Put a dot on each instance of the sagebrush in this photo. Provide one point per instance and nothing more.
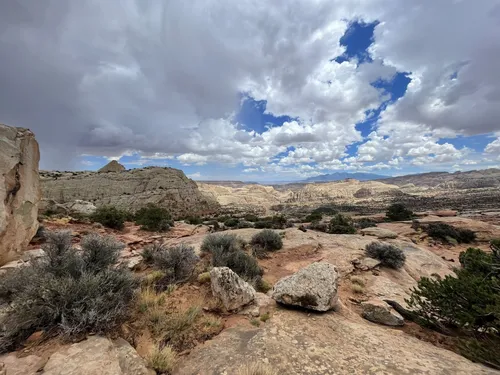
(389, 255)
(68, 292)
(266, 240)
(341, 224)
(110, 217)
(398, 212)
(176, 262)
(447, 233)
(154, 218)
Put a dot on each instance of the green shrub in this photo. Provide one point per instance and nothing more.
(262, 224)
(252, 218)
(110, 217)
(177, 262)
(469, 300)
(365, 223)
(495, 244)
(228, 243)
(194, 220)
(398, 212)
(238, 261)
(231, 223)
(389, 255)
(315, 216)
(325, 210)
(163, 361)
(267, 239)
(445, 232)
(69, 292)
(150, 250)
(245, 224)
(319, 226)
(341, 224)
(154, 218)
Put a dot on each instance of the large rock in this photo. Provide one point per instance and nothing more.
(19, 190)
(377, 311)
(232, 290)
(380, 233)
(313, 287)
(80, 207)
(133, 189)
(96, 356)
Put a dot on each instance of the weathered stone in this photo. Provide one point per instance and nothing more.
(19, 190)
(14, 365)
(443, 213)
(112, 166)
(80, 207)
(47, 206)
(261, 305)
(96, 356)
(377, 311)
(365, 264)
(32, 254)
(379, 232)
(313, 287)
(232, 290)
(131, 190)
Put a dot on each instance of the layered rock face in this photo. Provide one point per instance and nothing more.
(19, 190)
(133, 189)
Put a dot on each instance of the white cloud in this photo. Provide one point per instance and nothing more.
(195, 176)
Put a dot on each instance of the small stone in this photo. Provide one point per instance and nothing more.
(380, 233)
(377, 311)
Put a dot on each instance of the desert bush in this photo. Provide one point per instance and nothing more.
(314, 216)
(263, 286)
(252, 218)
(448, 233)
(204, 277)
(245, 224)
(238, 261)
(263, 224)
(177, 262)
(163, 360)
(319, 226)
(358, 289)
(495, 244)
(231, 222)
(194, 220)
(365, 223)
(67, 291)
(325, 210)
(228, 243)
(268, 240)
(468, 300)
(110, 217)
(357, 280)
(154, 218)
(341, 224)
(398, 212)
(389, 255)
(150, 250)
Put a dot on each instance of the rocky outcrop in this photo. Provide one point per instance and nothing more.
(94, 356)
(19, 190)
(377, 311)
(112, 166)
(78, 207)
(230, 289)
(380, 233)
(133, 189)
(313, 287)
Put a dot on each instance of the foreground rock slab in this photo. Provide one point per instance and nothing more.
(97, 356)
(313, 287)
(377, 311)
(294, 343)
(231, 289)
(19, 190)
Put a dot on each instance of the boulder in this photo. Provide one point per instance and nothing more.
(50, 206)
(231, 289)
(96, 356)
(313, 287)
(380, 233)
(19, 190)
(377, 311)
(80, 207)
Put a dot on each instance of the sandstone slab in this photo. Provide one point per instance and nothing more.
(231, 289)
(313, 287)
(19, 190)
(377, 311)
(380, 233)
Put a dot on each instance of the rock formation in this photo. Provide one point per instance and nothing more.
(313, 287)
(19, 190)
(112, 166)
(133, 189)
(232, 290)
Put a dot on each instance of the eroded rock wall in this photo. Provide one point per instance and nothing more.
(19, 190)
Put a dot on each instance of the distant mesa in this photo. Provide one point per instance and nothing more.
(340, 176)
(112, 166)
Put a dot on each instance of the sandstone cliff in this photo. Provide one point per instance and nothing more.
(19, 190)
(133, 189)
(112, 166)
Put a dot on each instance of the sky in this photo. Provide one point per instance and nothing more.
(255, 90)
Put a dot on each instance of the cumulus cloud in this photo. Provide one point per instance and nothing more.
(165, 80)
